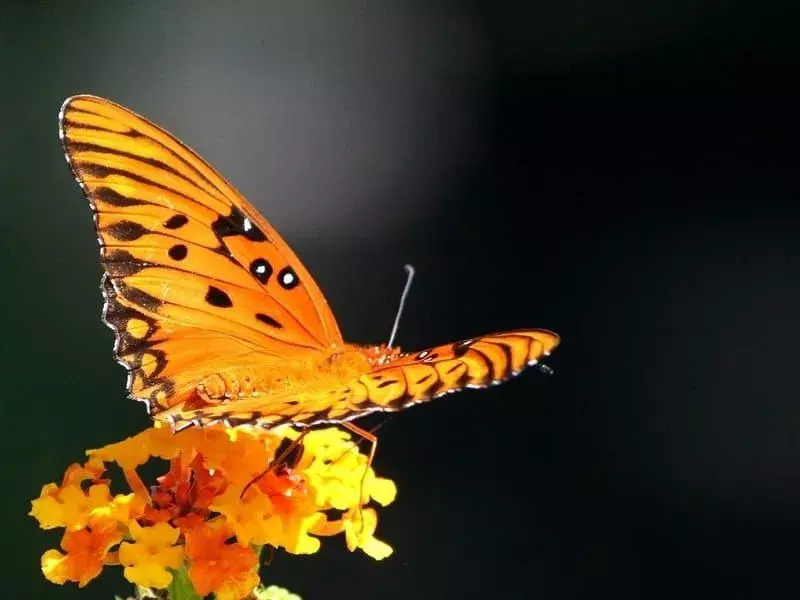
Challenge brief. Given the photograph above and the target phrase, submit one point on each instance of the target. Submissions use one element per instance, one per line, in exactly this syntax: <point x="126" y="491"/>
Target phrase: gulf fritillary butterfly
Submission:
<point x="216" y="319"/>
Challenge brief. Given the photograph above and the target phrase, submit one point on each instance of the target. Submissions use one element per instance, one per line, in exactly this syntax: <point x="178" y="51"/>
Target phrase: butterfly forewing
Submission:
<point x="215" y="317"/>
<point x="196" y="279"/>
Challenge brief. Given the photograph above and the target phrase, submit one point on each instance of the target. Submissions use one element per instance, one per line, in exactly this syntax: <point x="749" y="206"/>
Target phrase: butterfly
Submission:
<point x="216" y="319"/>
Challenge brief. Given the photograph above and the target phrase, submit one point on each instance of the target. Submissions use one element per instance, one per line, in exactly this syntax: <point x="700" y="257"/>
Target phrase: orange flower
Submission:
<point x="228" y="570"/>
<point x="86" y="552"/>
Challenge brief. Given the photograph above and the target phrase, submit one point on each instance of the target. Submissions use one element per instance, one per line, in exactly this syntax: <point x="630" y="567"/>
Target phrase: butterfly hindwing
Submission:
<point x="195" y="277"/>
<point x="404" y="380"/>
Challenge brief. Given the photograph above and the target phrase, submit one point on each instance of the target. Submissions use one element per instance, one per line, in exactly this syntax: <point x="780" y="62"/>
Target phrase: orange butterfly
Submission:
<point x="216" y="319"/>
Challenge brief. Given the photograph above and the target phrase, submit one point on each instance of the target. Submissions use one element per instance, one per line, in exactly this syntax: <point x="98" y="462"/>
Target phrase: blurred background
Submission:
<point x="622" y="172"/>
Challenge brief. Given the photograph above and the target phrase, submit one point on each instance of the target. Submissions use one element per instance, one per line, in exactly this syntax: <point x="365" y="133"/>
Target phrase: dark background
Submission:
<point x="622" y="172"/>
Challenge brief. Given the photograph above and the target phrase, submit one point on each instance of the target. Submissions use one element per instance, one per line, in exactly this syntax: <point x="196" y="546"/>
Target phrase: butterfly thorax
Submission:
<point x="377" y="355"/>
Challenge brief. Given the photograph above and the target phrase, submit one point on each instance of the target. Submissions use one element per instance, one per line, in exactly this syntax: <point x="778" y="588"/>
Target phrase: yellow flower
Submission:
<point x="137" y="450"/>
<point x="359" y="527"/>
<point x="224" y="492"/>
<point x="245" y="516"/>
<point x="274" y="592"/>
<point x="380" y="489"/>
<point x="359" y="531"/>
<point x="153" y="552"/>
<point x="293" y="535"/>
<point x="68" y="505"/>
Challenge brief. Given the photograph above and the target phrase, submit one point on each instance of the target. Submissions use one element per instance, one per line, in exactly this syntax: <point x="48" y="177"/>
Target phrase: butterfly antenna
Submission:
<point x="410" y="271"/>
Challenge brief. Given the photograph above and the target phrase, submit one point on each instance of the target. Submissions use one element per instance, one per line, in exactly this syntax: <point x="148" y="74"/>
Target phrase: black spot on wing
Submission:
<point x="267" y="320"/>
<point x="176" y="221"/>
<point x="288" y="278"/>
<point x="216" y="297"/>
<point x="261" y="270"/>
<point x="125" y="231"/>
<point x="178" y="252"/>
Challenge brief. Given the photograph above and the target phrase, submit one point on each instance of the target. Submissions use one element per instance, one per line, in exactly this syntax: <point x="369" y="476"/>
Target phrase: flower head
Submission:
<point x="226" y="493"/>
<point x="86" y="550"/>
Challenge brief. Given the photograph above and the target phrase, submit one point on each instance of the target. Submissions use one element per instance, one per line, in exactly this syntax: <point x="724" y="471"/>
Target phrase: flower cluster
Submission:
<point x="226" y="494"/>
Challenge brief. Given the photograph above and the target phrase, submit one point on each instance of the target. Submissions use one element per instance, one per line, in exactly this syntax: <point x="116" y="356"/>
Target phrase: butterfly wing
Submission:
<point x="402" y="381"/>
<point x="195" y="279"/>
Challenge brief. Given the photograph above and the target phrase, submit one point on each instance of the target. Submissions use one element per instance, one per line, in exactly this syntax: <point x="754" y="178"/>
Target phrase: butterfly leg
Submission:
<point x="277" y="462"/>
<point x="373" y="441"/>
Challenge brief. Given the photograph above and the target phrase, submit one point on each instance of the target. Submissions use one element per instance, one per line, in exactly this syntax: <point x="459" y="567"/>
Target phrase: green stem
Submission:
<point x="181" y="587"/>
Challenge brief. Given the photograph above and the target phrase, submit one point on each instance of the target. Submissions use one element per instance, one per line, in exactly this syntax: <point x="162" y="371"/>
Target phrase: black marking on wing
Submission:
<point x="261" y="270"/>
<point x="216" y="297"/>
<point x="178" y="252"/>
<point x="288" y="278"/>
<point x="121" y="263"/>
<point x="126" y="231"/>
<point x="114" y="198"/>
<point x="460" y="349"/>
<point x="176" y="221"/>
<point x="78" y="147"/>
<point x="130" y="350"/>
<point x="234" y="224"/>
<point x="498" y="373"/>
<point x="137" y="296"/>
<point x="486" y="361"/>
<point x="267" y="320"/>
